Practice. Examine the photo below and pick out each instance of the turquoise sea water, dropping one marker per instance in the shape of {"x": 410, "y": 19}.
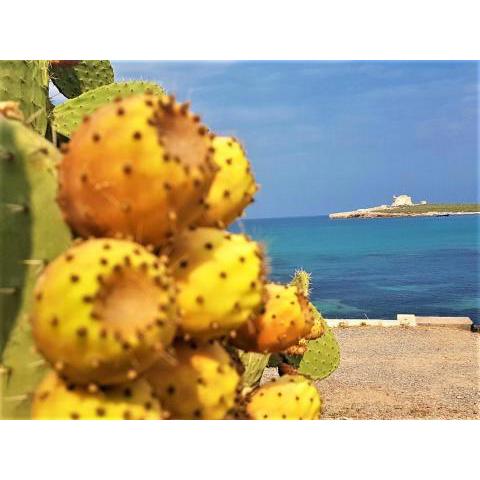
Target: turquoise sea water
{"x": 377, "y": 268}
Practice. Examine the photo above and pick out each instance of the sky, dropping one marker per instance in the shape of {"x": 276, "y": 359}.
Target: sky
{"x": 334, "y": 136}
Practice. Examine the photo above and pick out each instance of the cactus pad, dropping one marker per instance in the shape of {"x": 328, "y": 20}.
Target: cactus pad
{"x": 322, "y": 355}
{"x": 56, "y": 400}
{"x": 233, "y": 187}
{"x": 26, "y": 82}
{"x": 286, "y": 319}
{"x": 67, "y": 117}
{"x": 201, "y": 385}
{"x": 32, "y": 233}
{"x": 104, "y": 311}
{"x": 80, "y": 77}
{"x": 220, "y": 277}
{"x": 138, "y": 167}
{"x": 291, "y": 397}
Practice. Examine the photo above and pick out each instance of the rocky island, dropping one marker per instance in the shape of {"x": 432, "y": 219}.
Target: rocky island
{"x": 403, "y": 206}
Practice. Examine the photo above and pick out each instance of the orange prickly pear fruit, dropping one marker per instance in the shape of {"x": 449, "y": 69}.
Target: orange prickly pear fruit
{"x": 104, "y": 311}
{"x": 287, "y": 317}
{"x": 139, "y": 167}
{"x": 202, "y": 384}
{"x": 55, "y": 399}
{"x": 233, "y": 187}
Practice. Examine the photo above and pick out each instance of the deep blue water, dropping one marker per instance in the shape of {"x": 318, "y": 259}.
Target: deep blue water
{"x": 377, "y": 268}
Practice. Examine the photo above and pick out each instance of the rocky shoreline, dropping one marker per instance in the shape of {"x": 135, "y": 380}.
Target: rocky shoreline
{"x": 370, "y": 213}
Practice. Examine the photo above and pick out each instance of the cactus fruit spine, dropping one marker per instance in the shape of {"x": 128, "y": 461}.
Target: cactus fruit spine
{"x": 139, "y": 167}
{"x": 233, "y": 187}
{"x": 68, "y": 116}
{"x": 104, "y": 311}
{"x": 32, "y": 233}
{"x": 286, "y": 318}
{"x": 56, "y": 400}
{"x": 202, "y": 384}
{"x": 26, "y": 82}
{"x": 220, "y": 277}
{"x": 291, "y": 397}
{"x": 74, "y": 78}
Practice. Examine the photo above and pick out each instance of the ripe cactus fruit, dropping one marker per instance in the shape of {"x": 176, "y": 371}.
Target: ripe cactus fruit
{"x": 76, "y": 77}
{"x": 104, "y": 311}
{"x": 140, "y": 167}
{"x": 291, "y": 397}
{"x": 287, "y": 317}
{"x": 55, "y": 399}
{"x": 26, "y": 82}
{"x": 318, "y": 329}
{"x": 32, "y": 233}
{"x": 220, "y": 277}
{"x": 233, "y": 187}
{"x": 201, "y": 385}
{"x": 68, "y": 116}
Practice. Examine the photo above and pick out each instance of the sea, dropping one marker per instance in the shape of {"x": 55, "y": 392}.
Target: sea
{"x": 377, "y": 268}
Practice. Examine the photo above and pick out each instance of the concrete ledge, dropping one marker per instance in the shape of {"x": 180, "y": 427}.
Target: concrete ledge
{"x": 403, "y": 319}
{"x": 358, "y": 322}
{"x": 444, "y": 321}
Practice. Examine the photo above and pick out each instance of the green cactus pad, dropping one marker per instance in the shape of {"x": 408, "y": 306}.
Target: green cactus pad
{"x": 68, "y": 116}
{"x": 322, "y": 356}
{"x": 26, "y": 82}
{"x": 254, "y": 364}
{"x": 32, "y": 232}
{"x": 73, "y": 80}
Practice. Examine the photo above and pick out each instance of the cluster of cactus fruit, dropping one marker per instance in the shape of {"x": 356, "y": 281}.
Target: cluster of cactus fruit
{"x": 122, "y": 294}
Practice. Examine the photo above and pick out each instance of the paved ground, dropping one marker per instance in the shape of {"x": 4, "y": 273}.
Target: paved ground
{"x": 404, "y": 373}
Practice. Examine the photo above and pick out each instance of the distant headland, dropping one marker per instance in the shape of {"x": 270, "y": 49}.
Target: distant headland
{"x": 403, "y": 206}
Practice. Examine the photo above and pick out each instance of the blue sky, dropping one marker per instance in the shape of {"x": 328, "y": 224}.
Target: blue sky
{"x": 332, "y": 136}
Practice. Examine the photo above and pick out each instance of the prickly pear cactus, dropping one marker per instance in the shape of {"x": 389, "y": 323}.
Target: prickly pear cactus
{"x": 32, "y": 233}
{"x": 70, "y": 114}
{"x": 291, "y": 397}
{"x": 322, "y": 356}
{"x": 220, "y": 277}
{"x": 26, "y": 82}
{"x": 318, "y": 354}
{"x": 254, "y": 365}
{"x": 56, "y": 400}
{"x": 79, "y": 77}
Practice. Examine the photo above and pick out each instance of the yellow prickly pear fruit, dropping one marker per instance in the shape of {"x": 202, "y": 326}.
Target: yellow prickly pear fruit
{"x": 233, "y": 187}
{"x": 104, "y": 311}
{"x": 220, "y": 281}
{"x": 139, "y": 167}
{"x": 202, "y": 384}
{"x": 56, "y": 400}
{"x": 287, "y": 317}
{"x": 291, "y": 397}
